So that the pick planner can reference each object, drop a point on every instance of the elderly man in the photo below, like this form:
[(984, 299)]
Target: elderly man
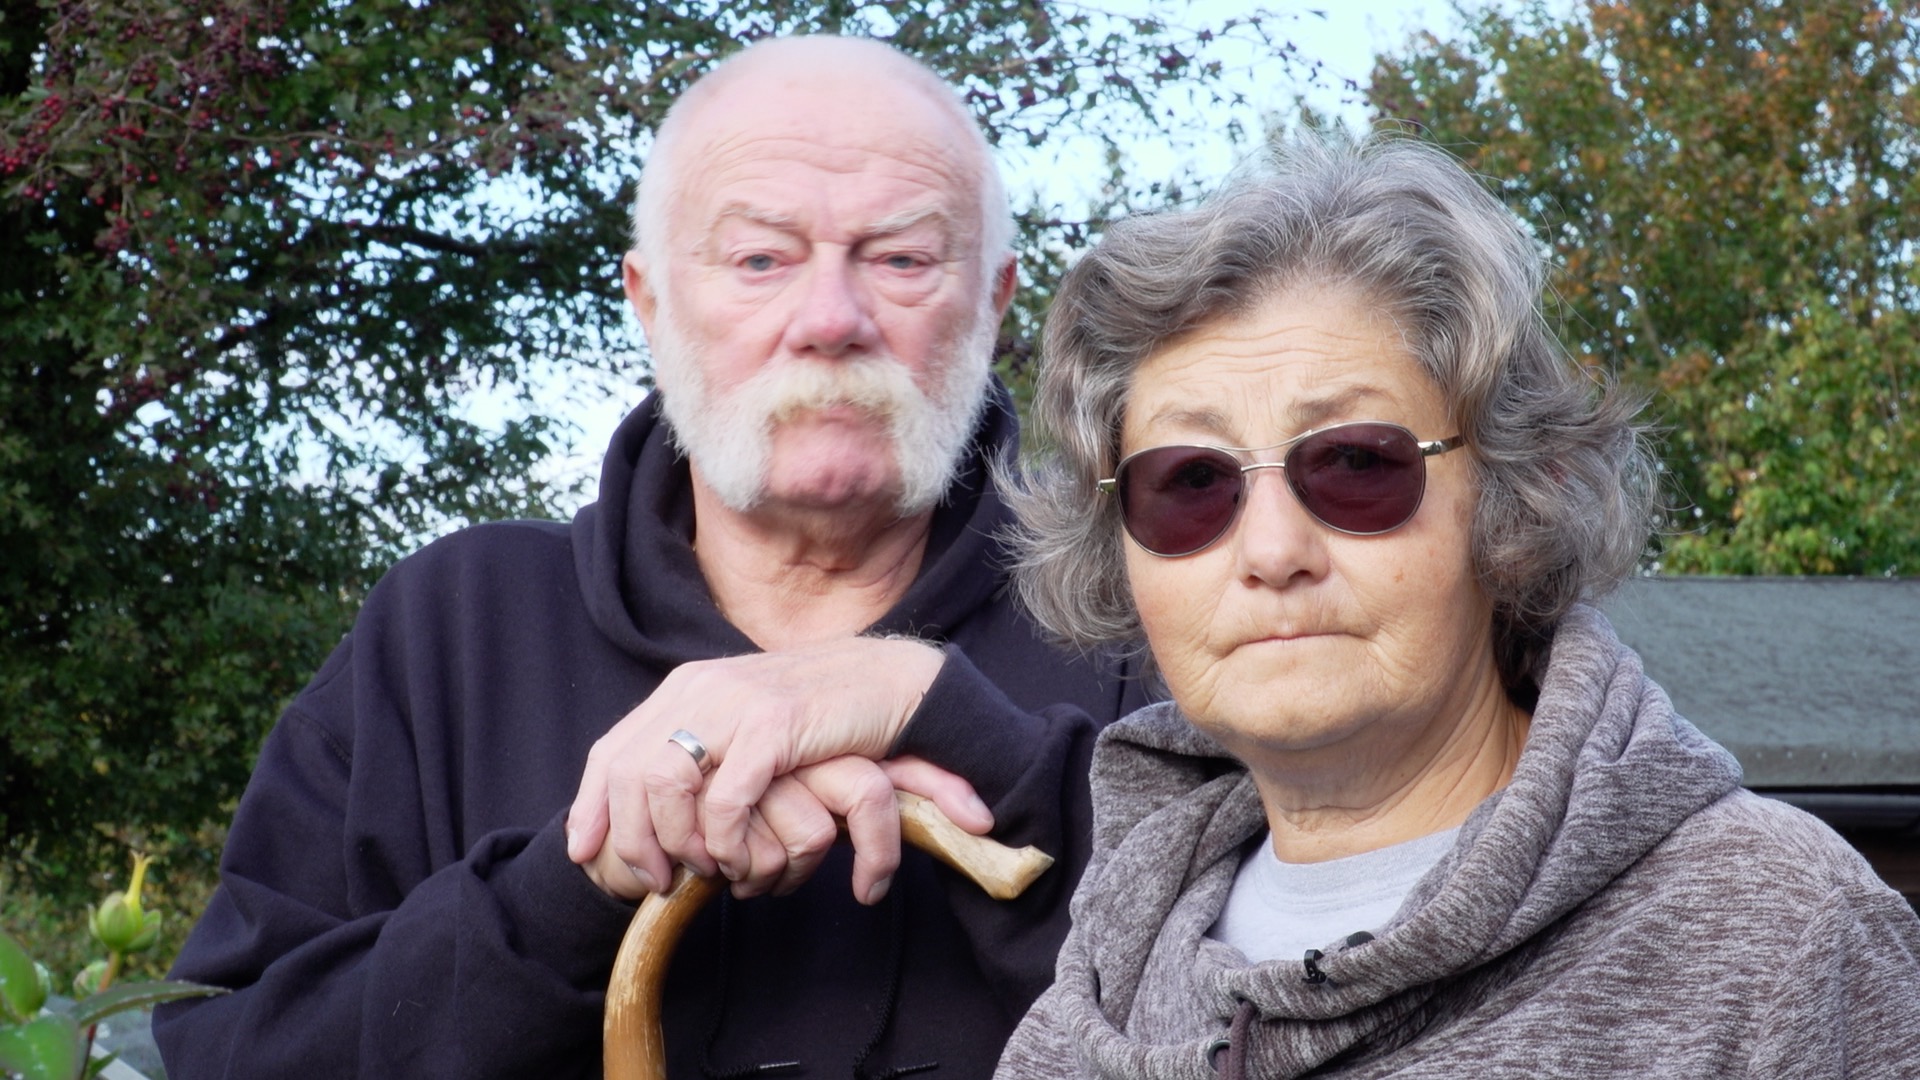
[(791, 568)]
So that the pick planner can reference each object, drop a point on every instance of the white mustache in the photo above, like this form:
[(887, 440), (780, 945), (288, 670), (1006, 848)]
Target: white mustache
[(880, 387)]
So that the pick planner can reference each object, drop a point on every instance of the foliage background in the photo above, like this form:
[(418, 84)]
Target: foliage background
[(258, 258), (1732, 193)]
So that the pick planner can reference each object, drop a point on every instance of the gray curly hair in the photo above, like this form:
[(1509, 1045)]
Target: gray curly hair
[(1565, 479)]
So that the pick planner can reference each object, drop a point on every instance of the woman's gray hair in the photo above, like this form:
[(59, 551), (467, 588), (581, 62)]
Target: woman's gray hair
[(1566, 482)]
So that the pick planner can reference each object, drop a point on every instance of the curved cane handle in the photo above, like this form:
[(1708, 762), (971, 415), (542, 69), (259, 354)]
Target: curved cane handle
[(634, 1046)]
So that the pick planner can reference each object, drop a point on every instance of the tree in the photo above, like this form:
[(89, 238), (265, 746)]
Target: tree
[(256, 257), (1731, 192)]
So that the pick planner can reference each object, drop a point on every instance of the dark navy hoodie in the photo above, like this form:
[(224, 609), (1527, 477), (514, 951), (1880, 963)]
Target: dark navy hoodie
[(395, 896)]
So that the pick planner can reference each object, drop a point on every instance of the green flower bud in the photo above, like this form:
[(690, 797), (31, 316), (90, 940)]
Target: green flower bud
[(119, 923), (116, 923), (87, 982), (148, 935)]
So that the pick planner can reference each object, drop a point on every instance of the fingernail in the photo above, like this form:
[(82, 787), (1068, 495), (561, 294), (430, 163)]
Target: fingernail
[(980, 806), (879, 890), (643, 879), (573, 847), (729, 872)]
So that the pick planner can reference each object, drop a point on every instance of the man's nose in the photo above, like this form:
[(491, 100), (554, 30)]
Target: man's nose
[(835, 314)]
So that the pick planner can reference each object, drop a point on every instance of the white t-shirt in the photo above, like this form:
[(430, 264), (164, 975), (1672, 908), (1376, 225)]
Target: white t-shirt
[(1280, 910)]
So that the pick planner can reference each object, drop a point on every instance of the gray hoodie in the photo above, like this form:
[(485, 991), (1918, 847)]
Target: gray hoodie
[(1621, 908)]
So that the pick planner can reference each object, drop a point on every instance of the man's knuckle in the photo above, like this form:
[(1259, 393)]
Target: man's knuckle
[(631, 850), (872, 787), (663, 777), (770, 860), (811, 842)]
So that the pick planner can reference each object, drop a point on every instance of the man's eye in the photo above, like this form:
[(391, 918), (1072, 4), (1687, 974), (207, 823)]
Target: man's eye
[(904, 262), (758, 263)]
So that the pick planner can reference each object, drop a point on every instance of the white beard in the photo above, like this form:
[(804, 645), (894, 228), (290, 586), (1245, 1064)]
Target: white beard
[(729, 435)]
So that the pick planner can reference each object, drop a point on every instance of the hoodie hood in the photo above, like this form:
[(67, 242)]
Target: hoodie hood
[(1608, 771), (633, 549)]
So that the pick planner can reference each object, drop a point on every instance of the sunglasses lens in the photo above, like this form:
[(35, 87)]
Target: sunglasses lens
[(1359, 478), (1178, 499)]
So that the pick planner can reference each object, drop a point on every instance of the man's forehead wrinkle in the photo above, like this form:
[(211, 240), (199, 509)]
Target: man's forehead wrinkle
[(911, 218), (767, 162), (753, 150), (759, 215), (890, 225)]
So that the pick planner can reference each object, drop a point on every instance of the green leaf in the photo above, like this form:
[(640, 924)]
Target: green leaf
[(23, 987), (47, 1048), (140, 995)]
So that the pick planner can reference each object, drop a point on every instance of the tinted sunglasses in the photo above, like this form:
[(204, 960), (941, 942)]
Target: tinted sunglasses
[(1363, 478)]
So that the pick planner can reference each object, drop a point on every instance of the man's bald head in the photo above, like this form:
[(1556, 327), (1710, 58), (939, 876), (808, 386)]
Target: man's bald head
[(866, 73)]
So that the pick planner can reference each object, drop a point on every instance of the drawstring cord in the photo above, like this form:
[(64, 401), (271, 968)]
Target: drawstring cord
[(712, 1071), (1233, 1064), (896, 955)]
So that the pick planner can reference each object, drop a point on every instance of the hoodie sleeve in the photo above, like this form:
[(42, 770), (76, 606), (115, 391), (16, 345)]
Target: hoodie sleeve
[(1846, 1003), (1031, 768), (361, 939)]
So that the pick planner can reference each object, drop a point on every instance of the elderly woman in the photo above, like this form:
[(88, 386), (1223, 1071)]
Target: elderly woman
[(1413, 810)]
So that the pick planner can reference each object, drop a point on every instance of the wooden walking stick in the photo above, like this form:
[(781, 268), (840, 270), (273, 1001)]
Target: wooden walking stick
[(633, 1044)]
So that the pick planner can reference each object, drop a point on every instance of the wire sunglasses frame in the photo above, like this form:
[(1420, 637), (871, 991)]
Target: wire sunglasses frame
[(1359, 477)]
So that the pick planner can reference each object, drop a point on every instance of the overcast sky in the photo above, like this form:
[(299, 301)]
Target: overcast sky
[(1344, 37)]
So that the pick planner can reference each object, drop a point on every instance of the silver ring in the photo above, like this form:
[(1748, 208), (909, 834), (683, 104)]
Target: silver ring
[(688, 741)]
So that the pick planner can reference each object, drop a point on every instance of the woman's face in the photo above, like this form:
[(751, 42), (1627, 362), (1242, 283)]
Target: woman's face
[(1292, 644)]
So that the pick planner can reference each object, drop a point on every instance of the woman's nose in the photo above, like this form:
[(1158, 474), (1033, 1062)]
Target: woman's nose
[(1276, 539)]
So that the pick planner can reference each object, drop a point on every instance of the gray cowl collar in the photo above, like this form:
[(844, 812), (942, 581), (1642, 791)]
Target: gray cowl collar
[(1608, 771)]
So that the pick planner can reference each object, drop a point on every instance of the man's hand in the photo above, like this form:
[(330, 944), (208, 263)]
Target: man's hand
[(795, 737)]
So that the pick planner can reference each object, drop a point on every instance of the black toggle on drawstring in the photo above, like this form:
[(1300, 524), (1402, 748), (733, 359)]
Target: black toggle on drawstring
[(1312, 963), (1229, 1057)]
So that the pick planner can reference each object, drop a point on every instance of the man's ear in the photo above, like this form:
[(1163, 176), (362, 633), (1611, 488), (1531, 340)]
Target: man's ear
[(1004, 283), (640, 292)]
